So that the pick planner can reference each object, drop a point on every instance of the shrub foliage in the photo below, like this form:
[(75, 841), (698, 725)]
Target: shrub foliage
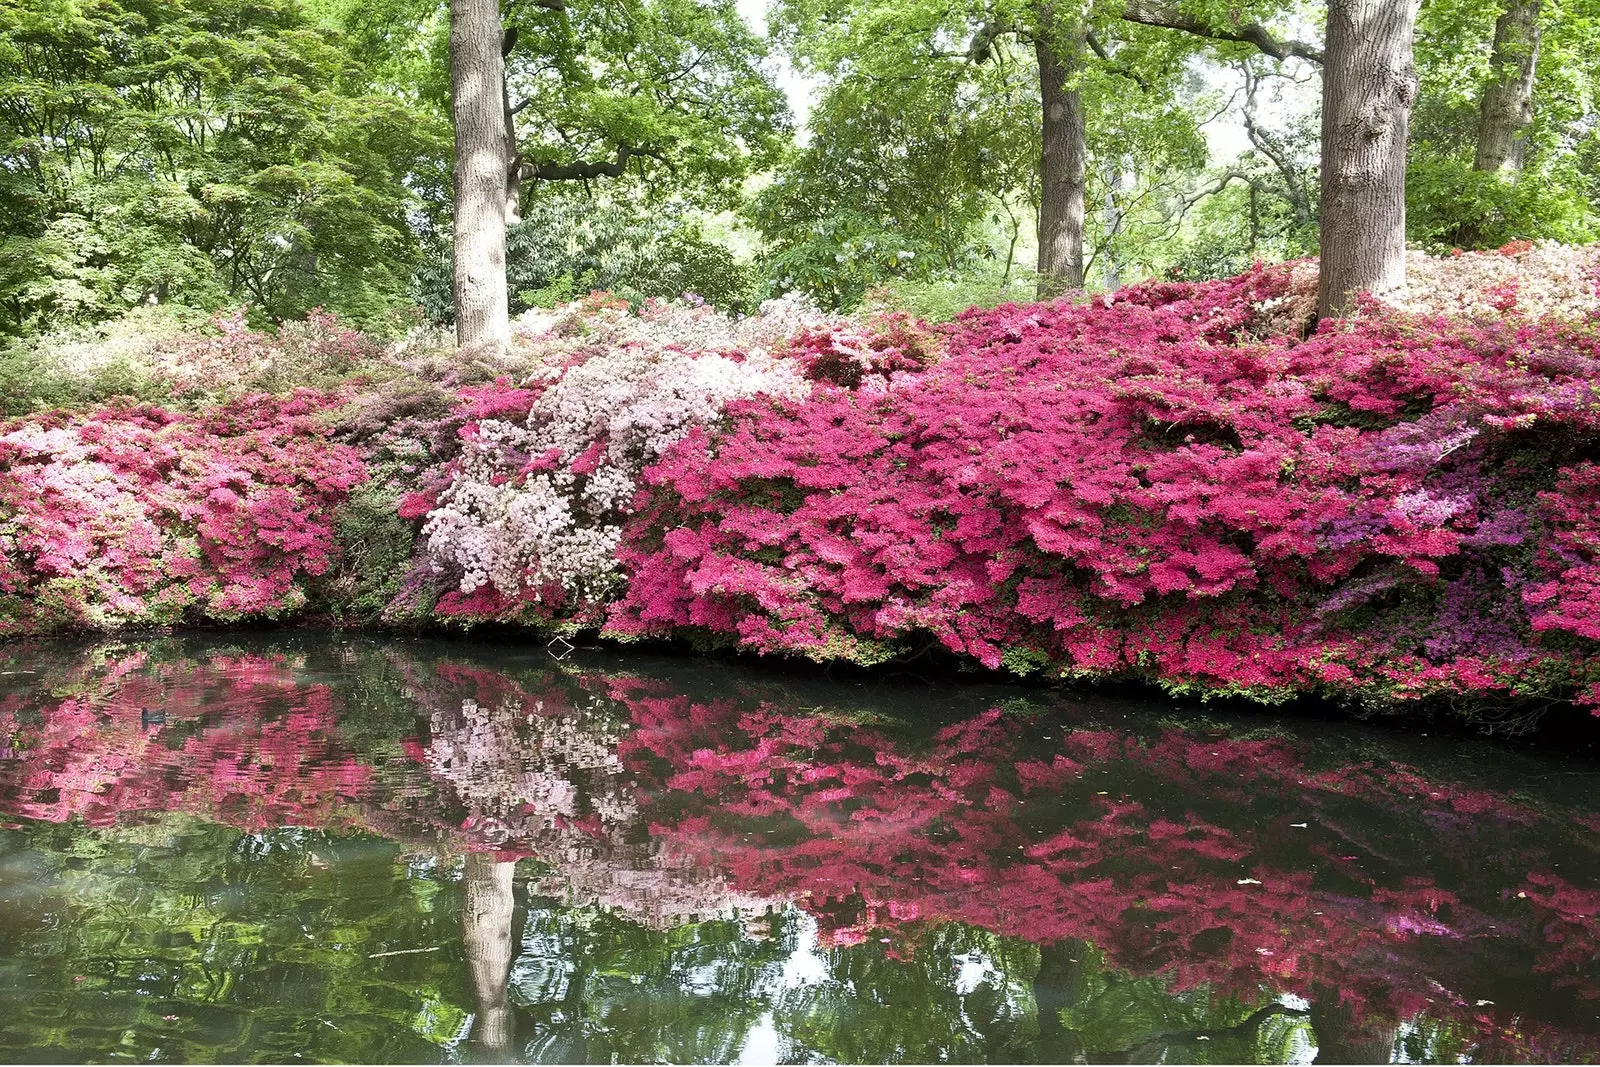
[(1170, 483)]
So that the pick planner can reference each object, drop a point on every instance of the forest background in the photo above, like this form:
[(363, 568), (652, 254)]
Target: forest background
[(169, 160)]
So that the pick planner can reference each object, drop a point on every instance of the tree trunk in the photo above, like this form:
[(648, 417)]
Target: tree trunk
[(486, 913), (1062, 161), (1506, 110), (483, 160), (1113, 226), (1057, 986), (1368, 86)]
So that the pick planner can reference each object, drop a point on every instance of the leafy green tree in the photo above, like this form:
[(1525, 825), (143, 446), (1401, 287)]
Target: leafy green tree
[(670, 95), (568, 245), (1504, 145), (897, 180), (196, 151), (1068, 105)]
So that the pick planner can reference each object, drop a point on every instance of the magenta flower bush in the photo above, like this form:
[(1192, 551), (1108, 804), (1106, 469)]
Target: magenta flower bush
[(142, 515), (1159, 485), (1170, 482), (525, 523)]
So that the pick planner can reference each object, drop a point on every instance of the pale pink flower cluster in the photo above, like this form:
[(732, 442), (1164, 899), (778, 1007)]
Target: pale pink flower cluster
[(515, 766), (1533, 279), (541, 502), (551, 779)]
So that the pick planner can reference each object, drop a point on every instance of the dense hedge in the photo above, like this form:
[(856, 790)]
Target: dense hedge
[(1169, 483)]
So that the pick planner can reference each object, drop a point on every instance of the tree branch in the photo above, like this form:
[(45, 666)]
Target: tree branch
[(1167, 16), (1116, 68), (565, 172), (1299, 203)]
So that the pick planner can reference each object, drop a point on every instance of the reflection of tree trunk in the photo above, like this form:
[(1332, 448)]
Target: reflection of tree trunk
[(1338, 1038), (486, 912), (1056, 987)]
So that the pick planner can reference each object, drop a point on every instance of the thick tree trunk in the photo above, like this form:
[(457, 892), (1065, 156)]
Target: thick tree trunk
[(486, 914), (1062, 161), (1506, 111), (483, 160), (1368, 86)]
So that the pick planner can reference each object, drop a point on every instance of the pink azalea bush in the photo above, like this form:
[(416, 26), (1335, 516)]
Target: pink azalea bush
[(527, 520), (1161, 485), (1168, 482), (143, 515)]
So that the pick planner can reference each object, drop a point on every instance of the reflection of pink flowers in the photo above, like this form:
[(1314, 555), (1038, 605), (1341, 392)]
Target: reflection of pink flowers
[(897, 841), (1219, 862), (273, 762)]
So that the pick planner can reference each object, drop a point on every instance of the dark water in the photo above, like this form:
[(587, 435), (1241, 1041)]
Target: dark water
[(323, 848)]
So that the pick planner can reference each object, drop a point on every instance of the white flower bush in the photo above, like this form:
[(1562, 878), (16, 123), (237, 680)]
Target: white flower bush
[(540, 502)]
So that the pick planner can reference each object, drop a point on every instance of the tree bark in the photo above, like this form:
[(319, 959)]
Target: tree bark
[(1112, 217), (1506, 111), (486, 913), (1062, 161), (1369, 84), (483, 161)]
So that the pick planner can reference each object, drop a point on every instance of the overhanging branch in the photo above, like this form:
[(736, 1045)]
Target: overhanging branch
[(1167, 16), (582, 171), (1099, 49)]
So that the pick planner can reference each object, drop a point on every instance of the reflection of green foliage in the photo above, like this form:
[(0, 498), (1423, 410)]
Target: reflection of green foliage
[(595, 987), (860, 1011), (1145, 1020), (259, 946)]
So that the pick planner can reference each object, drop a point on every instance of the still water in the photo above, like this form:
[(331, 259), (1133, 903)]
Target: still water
[(321, 848)]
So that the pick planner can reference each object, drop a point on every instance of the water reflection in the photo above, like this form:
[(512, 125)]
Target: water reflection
[(317, 848)]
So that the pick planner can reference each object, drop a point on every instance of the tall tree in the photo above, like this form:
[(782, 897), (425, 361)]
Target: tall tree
[(1074, 64), (483, 169), (1506, 110), (1369, 83), (667, 99), (1504, 139), (1059, 45)]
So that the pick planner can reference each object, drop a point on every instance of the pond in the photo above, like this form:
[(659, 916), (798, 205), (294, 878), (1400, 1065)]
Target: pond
[(321, 847)]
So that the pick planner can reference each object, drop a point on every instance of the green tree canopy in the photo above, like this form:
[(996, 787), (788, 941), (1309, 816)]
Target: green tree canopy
[(199, 151)]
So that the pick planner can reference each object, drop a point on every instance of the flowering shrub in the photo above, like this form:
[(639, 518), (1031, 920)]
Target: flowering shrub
[(531, 517), (1170, 481), (138, 514), (156, 354), (1525, 277), (1140, 488)]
